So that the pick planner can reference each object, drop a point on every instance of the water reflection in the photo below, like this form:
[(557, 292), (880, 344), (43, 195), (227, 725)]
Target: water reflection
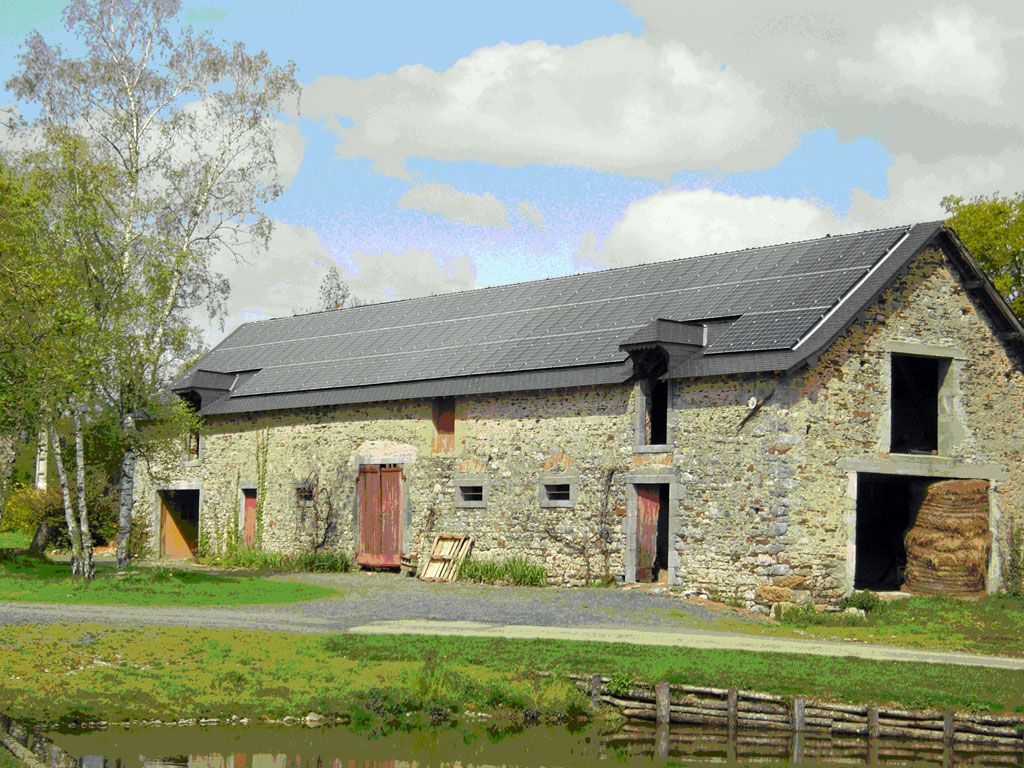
[(477, 746)]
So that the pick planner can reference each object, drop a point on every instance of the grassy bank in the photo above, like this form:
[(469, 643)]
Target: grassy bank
[(74, 673), (38, 580), (993, 624)]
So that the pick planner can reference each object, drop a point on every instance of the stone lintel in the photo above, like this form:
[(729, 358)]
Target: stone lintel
[(923, 350), (924, 466)]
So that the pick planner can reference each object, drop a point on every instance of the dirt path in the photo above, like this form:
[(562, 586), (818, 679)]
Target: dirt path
[(375, 603)]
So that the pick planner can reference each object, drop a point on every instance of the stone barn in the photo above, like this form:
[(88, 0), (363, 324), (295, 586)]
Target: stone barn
[(760, 426)]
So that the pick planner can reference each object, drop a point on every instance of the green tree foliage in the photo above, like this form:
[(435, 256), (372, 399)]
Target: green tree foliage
[(992, 228), (181, 131)]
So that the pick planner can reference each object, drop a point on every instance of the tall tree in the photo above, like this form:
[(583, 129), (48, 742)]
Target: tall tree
[(992, 228), (334, 292), (187, 127)]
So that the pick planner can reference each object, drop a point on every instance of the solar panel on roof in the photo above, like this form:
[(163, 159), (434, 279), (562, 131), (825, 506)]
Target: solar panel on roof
[(778, 290)]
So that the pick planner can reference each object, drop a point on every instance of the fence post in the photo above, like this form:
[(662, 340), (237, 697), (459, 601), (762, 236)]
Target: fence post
[(595, 691), (661, 695), (948, 728), (799, 704), (872, 715), (734, 705)]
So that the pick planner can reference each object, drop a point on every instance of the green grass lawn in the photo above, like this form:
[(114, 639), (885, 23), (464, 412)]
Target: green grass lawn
[(67, 673), (14, 540), (993, 624), (39, 580)]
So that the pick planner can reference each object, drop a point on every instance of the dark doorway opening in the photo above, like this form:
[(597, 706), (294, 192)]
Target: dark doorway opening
[(652, 541), (179, 524), (886, 508), (915, 403)]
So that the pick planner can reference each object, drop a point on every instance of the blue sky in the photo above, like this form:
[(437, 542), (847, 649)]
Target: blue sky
[(446, 145)]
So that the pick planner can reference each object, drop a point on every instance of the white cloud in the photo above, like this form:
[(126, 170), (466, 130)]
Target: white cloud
[(408, 275), (615, 103), (952, 53), (532, 213), (682, 224), (478, 210)]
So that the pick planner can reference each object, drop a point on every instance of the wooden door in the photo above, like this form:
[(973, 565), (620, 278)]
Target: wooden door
[(249, 518), (379, 494), (647, 506), (178, 525)]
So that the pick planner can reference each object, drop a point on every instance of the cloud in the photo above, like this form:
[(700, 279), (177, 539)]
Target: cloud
[(529, 211), (615, 103), (477, 210), (954, 52), (683, 224), (408, 275)]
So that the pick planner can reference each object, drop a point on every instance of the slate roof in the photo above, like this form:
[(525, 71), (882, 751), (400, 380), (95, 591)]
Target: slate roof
[(766, 308)]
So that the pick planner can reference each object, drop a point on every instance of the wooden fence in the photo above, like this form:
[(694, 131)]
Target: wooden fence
[(732, 709)]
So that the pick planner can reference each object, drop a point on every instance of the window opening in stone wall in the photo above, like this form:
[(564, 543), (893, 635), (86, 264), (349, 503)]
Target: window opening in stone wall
[(194, 402), (471, 492), (444, 424), (652, 540), (915, 403), (922, 535), (557, 491), (304, 495), (657, 412)]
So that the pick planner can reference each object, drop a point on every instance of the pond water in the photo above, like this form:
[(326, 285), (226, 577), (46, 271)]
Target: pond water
[(475, 745)]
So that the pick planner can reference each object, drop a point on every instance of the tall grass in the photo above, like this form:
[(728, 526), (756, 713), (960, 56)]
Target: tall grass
[(517, 571), (255, 559)]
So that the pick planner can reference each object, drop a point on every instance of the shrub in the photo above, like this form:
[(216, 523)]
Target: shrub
[(865, 600), (1013, 566), (28, 507), (517, 571), (252, 558)]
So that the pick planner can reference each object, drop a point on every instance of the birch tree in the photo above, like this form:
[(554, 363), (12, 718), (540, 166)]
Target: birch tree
[(187, 127)]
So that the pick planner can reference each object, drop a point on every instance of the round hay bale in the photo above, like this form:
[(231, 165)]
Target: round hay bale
[(948, 545)]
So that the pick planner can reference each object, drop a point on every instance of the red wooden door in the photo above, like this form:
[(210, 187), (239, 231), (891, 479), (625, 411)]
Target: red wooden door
[(647, 503), (379, 491), (249, 519)]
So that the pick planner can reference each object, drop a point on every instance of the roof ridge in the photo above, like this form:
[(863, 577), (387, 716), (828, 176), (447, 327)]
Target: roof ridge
[(738, 251)]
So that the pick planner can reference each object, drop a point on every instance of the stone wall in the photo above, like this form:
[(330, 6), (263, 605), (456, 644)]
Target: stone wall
[(762, 505), (511, 441), (769, 509)]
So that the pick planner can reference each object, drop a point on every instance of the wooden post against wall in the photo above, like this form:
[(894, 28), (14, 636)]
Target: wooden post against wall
[(799, 705), (595, 691), (661, 696)]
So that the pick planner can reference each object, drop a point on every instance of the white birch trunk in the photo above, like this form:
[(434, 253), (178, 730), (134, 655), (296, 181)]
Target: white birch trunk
[(83, 511), (74, 533)]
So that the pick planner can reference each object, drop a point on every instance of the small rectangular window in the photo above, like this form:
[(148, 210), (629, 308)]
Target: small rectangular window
[(471, 492), (304, 495), (193, 446), (554, 491), (557, 491)]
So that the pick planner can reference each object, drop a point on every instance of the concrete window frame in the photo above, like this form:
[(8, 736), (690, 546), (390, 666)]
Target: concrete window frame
[(950, 431), (560, 478), (483, 481), (640, 444)]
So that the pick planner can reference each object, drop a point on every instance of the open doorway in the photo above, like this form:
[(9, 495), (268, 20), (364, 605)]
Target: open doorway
[(652, 505), (179, 524), (886, 508)]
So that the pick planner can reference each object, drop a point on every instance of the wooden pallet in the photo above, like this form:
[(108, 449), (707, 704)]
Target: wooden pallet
[(445, 557)]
